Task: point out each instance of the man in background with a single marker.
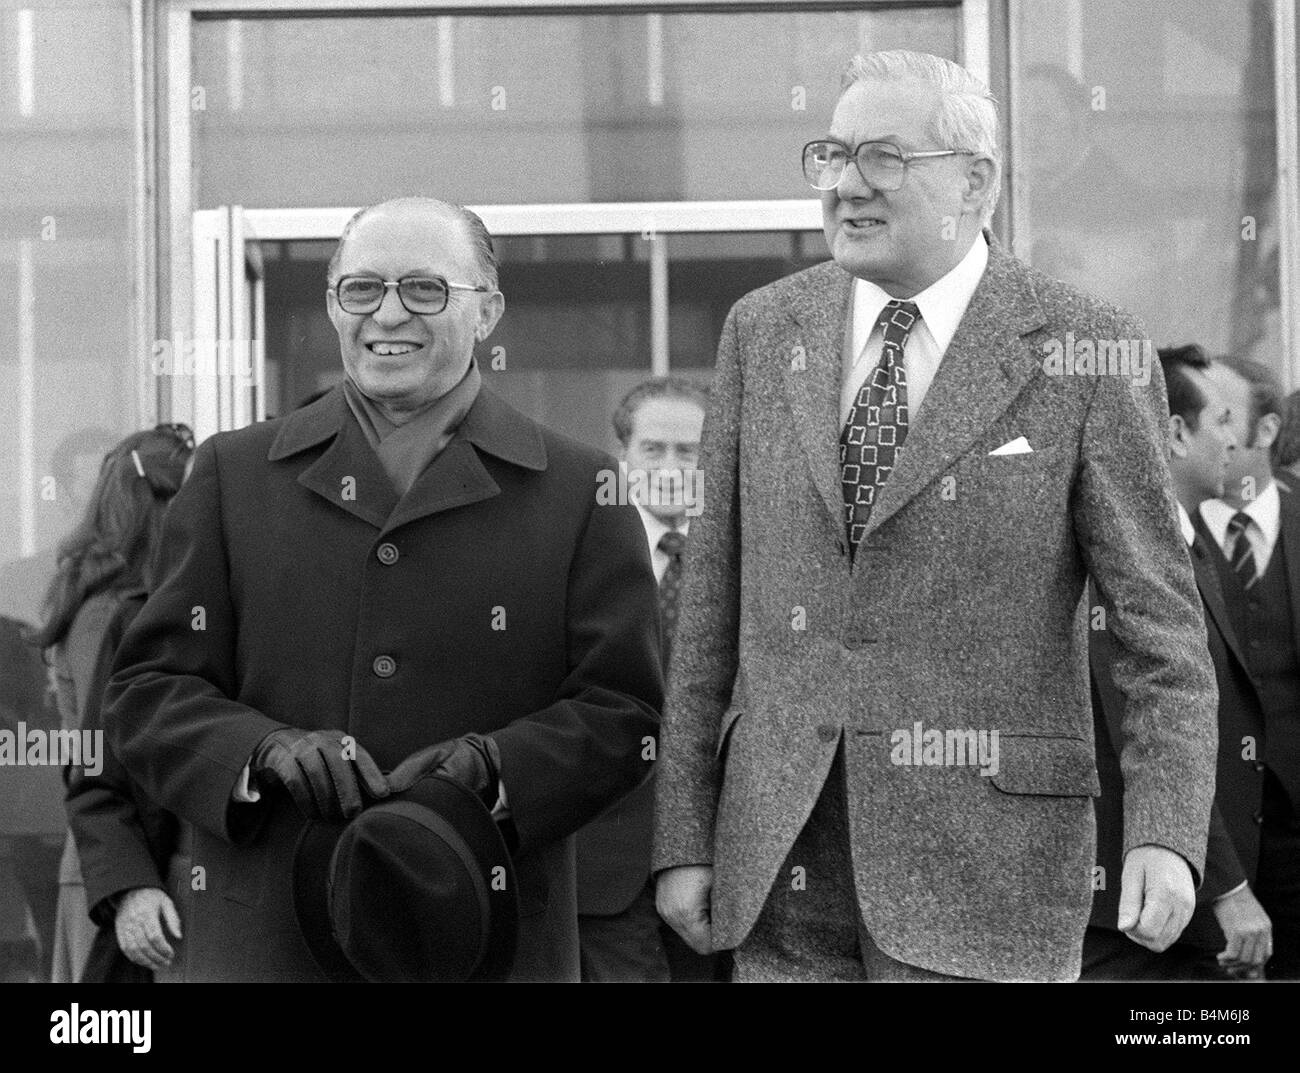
(1229, 934)
(1255, 528)
(658, 424)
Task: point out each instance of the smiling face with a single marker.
(901, 240)
(404, 361)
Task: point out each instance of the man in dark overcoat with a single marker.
(405, 576)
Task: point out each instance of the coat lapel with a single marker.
(348, 475)
(1207, 580)
(985, 367)
(457, 476)
(813, 370)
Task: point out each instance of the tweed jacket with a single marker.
(963, 611)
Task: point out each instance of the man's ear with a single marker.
(489, 313)
(1179, 434)
(980, 174)
(1266, 431)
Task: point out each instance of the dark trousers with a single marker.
(625, 947)
(1277, 882)
(1112, 955)
(811, 928)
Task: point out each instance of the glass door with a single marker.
(218, 375)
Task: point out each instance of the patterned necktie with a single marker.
(1243, 555)
(873, 435)
(670, 587)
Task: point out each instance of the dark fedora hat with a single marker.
(418, 888)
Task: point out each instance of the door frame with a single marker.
(176, 304)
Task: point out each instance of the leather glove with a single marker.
(473, 761)
(311, 765)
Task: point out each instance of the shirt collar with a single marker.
(656, 527)
(1185, 524)
(942, 304)
(1265, 510)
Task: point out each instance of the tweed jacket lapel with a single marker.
(984, 369)
(986, 366)
(812, 369)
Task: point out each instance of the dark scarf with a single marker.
(405, 451)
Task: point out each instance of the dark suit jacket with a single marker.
(962, 610)
(614, 853)
(1232, 851)
(124, 840)
(514, 606)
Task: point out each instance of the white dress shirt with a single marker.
(655, 528)
(942, 305)
(1185, 524)
(1265, 511)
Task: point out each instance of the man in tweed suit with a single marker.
(877, 757)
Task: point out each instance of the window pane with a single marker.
(1147, 163)
(67, 375)
(708, 273)
(527, 109)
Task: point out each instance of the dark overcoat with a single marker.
(496, 597)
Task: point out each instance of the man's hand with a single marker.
(139, 927)
(1156, 897)
(682, 898)
(1249, 933)
(324, 774)
(473, 761)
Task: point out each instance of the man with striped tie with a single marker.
(620, 935)
(1256, 526)
(906, 491)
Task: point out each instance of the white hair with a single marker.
(967, 117)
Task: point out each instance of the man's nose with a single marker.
(391, 311)
(852, 184)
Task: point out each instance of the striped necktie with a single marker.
(1243, 555)
(873, 435)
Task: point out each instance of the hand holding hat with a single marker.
(473, 761)
(324, 774)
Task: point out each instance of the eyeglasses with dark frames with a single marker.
(881, 164)
(421, 295)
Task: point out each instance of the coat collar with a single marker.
(491, 424)
(984, 369)
(349, 475)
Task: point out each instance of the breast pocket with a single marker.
(997, 475)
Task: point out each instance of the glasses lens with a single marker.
(423, 294)
(823, 164)
(360, 294)
(881, 165)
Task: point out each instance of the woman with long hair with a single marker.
(104, 569)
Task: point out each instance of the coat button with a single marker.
(827, 733)
(385, 666)
(1259, 817)
(387, 554)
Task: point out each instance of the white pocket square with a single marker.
(1018, 446)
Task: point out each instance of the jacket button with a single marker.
(1259, 817)
(387, 554)
(385, 666)
(852, 640)
(827, 733)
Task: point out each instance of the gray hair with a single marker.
(480, 238)
(967, 117)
